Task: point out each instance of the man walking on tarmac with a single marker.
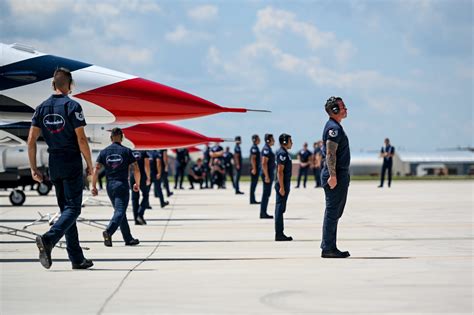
(61, 122)
(117, 159)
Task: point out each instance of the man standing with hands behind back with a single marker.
(61, 122)
(335, 175)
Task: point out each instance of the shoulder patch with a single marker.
(79, 115)
(282, 157)
(333, 133)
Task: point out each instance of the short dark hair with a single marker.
(255, 137)
(62, 79)
(238, 138)
(284, 138)
(116, 132)
(268, 137)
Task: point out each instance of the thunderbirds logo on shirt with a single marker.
(114, 160)
(333, 133)
(54, 123)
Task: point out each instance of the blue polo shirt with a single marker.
(197, 170)
(284, 158)
(268, 153)
(58, 117)
(333, 131)
(182, 156)
(304, 155)
(239, 151)
(116, 158)
(255, 151)
(228, 156)
(140, 156)
(387, 149)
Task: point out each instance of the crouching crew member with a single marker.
(335, 175)
(143, 161)
(196, 174)
(61, 122)
(116, 159)
(282, 186)
(268, 174)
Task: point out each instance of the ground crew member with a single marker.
(228, 157)
(206, 164)
(254, 167)
(116, 160)
(316, 163)
(268, 174)
(238, 165)
(61, 122)
(217, 157)
(196, 174)
(182, 159)
(304, 155)
(335, 175)
(387, 152)
(143, 161)
(283, 184)
(157, 171)
(164, 177)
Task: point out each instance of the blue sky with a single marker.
(404, 68)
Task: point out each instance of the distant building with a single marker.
(416, 163)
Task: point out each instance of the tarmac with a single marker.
(208, 253)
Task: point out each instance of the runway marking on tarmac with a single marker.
(117, 289)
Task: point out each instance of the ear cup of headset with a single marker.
(335, 109)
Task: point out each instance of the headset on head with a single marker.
(254, 138)
(66, 72)
(284, 138)
(268, 137)
(333, 104)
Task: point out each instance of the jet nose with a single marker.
(139, 100)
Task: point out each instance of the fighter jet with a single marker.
(106, 96)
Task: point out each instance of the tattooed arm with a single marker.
(331, 148)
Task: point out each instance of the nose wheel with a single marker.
(17, 197)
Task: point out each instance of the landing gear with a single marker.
(17, 197)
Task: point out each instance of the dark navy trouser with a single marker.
(237, 179)
(317, 176)
(386, 166)
(157, 188)
(267, 191)
(253, 187)
(303, 171)
(229, 170)
(335, 202)
(66, 175)
(166, 183)
(179, 176)
(119, 194)
(139, 207)
(280, 208)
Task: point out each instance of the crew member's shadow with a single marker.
(381, 257)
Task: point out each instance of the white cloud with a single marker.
(182, 35)
(390, 105)
(27, 7)
(272, 21)
(203, 12)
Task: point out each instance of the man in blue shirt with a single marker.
(61, 122)
(304, 155)
(268, 174)
(206, 164)
(387, 152)
(282, 186)
(335, 175)
(143, 161)
(116, 159)
(254, 168)
(228, 157)
(238, 165)
(182, 159)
